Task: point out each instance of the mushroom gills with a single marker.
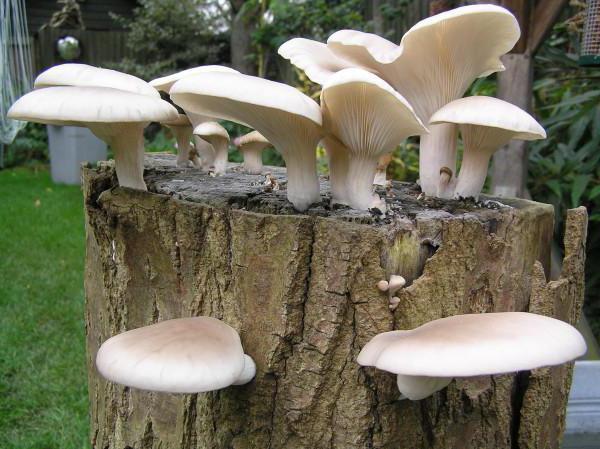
(416, 388)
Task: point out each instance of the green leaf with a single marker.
(554, 185)
(594, 192)
(579, 185)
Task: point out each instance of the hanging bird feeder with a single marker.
(589, 55)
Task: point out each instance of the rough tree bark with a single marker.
(300, 289)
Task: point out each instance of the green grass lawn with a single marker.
(43, 391)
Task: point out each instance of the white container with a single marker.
(69, 147)
(583, 410)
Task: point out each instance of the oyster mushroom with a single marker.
(115, 116)
(485, 123)
(427, 358)
(288, 119)
(185, 355)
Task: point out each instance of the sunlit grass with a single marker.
(43, 396)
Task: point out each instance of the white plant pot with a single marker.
(69, 147)
(583, 410)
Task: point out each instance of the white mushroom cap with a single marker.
(218, 137)
(370, 119)
(186, 355)
(84, 75)
(166, 82)
(251, 137)
(251, 146)
(314, 58)
(486, 123)
(115, 116)
(290, 120)
(211, 129)
(435, 63)
(80, 106)
(473, 345)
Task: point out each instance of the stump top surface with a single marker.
(266, 193)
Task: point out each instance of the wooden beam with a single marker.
(544, 17)
(522, 11)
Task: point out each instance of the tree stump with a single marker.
(301, 291)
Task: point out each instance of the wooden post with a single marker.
(515, 85)
(300, 289)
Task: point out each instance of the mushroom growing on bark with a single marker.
(435, 63)
(251, 146)
(485, 123)
(218, 137)
(118, 117)
(206, 152)
(369, 119)
(185, 355)
(427, 358)
(290, 120)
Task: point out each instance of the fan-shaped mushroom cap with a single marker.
(290, 120)
(473, 345)
(435, 63)
(439, 57)
(486, 123)
(369, 118)
(218, 137)
(314, 58)
(251, 146)
(115, 116)
(166, 82)
(83, 75)
(186, 355)
(80, 106)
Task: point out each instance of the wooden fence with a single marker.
(98, 47)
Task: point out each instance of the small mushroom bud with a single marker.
(383, 285)
(396, 283)
(394, 303)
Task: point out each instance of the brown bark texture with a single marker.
(300, 290)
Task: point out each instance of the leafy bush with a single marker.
(30, 145)
(564, 169)
(169, 35)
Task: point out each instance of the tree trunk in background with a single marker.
(378, 22)
(509, 167)
(242, 26)
(300, 289)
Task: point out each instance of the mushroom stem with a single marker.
(248, 372)
(253, 163)
(183, 136)
(221, 156)
(381, 174)
(361, 173)
(338, 169)
(127, 142)
(416, 388)
(206, 152)
(437, 149)
(473, 171)
(303, 182)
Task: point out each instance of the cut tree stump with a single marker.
(300, 288)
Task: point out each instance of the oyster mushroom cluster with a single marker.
(428, 73)
(374, 95)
